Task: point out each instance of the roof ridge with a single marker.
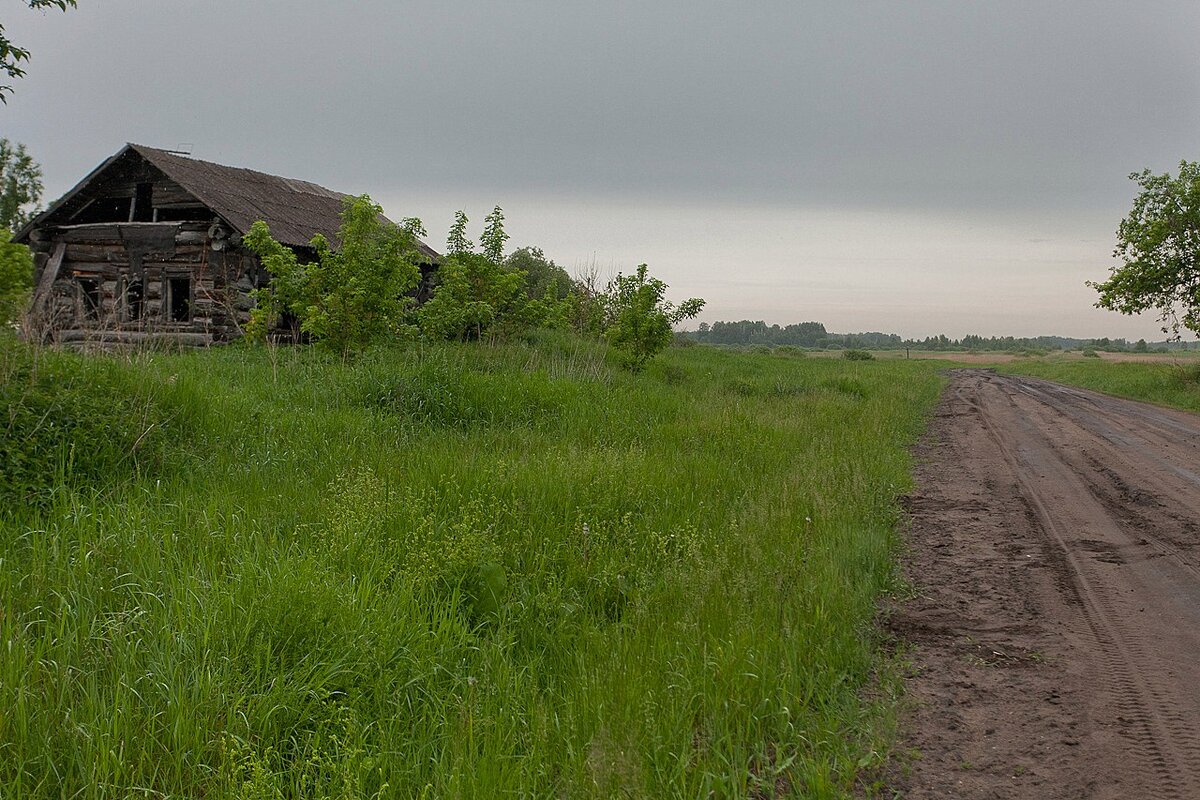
(171, 154)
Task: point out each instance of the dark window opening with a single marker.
(103, 209)
(289, 326)
(179, 299)
(134, 295)
(89, 289)
(143, 209)
(184, 214)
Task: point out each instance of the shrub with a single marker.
(347, 298)
(16, 278)
(1090, 353)
(638, 319)
(857, 355)
(475, 297)
(482, 295)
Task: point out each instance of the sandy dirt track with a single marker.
(1055, 555)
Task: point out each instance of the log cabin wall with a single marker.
(162, 278)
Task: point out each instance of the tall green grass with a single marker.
(464, 571)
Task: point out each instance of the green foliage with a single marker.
(493, 238)
(480, 295)
(16, 279)
(1159, 243)
(74, 422)
(20, 181)
(475, 297)
(457, 241)
(1088, 352)
(349, 297)
(857, 355)
(638, 318)
(12, 56)
(542, 276)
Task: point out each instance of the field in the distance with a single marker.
(456, 571)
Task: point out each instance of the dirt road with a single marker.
(1055, 553)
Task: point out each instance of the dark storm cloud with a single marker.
(919, 104)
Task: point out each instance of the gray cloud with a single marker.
(922, 108)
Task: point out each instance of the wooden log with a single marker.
(49, 276)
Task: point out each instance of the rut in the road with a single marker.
(1083, 545)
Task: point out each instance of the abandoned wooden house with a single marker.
(148, 247)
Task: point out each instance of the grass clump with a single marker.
(71, 422)
(465, 571)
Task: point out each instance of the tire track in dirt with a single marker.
(1059, 524)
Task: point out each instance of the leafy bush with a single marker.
(637, 317)
(857, 355)
(347, 298)
(542, 276)
(1090, 353)
(70, 421)
(478, 295)
(16, 278)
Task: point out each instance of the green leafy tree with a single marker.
(482, 294)
(457, 241)
(638, 319)
(20, 185)
(12, 56)
(16, 278)
(349, 297)
(493, 238)
(474, 297)
(542, 276)
(1159, 243)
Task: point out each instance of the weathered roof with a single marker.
(294, 210)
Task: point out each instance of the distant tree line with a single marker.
(814, 335)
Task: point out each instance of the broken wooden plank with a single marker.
(49, 275)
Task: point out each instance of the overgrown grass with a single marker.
(464, 571)
(1171, 384)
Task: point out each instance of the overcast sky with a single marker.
(916, 167)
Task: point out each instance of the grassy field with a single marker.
(456, 571)
(1172, 383)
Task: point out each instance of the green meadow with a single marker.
(448, 571)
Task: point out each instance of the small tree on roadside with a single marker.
(349, 297)
(1159, 243)
(638, 319)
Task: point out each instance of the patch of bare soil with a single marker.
(1055, 551)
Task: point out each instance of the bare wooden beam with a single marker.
(49, 275)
